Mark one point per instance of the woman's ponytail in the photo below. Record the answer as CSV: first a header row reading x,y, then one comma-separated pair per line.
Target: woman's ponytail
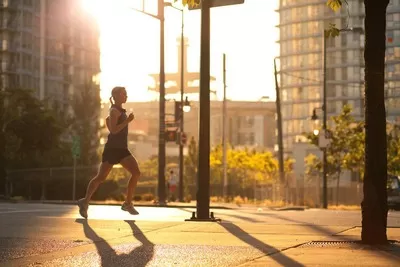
x,y
111,100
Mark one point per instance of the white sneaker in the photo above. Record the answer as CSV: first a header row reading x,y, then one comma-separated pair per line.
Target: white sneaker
x,y
83,208
129,208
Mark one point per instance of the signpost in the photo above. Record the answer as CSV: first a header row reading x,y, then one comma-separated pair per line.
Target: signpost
x,y
203,174
76,153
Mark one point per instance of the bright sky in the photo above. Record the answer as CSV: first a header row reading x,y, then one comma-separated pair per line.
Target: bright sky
x,y
129,43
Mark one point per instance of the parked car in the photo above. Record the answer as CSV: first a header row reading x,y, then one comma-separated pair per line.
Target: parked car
x,y
393,192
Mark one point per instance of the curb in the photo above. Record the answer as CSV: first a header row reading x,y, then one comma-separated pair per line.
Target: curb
x,y
137,204
297,208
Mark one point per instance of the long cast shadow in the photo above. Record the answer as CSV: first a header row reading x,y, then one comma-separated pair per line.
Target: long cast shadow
x,y
139,256
259,245
391,249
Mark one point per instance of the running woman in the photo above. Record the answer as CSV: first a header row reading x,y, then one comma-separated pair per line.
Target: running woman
x,y
115,151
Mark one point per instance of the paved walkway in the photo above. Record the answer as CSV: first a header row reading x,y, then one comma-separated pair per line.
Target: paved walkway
x,y
49,238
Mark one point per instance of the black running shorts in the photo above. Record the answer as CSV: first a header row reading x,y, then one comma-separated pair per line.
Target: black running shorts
x,y
115,155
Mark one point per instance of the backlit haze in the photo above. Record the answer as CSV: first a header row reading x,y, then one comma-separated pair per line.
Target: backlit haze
x,y
129,43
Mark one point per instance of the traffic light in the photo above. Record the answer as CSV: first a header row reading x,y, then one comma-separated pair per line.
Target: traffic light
x,y
170,136
178,111
182,139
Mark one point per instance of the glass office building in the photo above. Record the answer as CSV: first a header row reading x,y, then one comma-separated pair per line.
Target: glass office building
x,y
301,27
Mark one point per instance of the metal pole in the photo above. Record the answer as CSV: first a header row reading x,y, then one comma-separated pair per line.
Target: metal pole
x,y
182,116
42,63
161,136
279,125
224,115
74,180
325,162
203,189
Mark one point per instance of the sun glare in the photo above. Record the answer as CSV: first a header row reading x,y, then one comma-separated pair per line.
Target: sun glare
x,y
125,48
129,45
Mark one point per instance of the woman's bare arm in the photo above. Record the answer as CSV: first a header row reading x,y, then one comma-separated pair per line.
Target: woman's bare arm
x,y
112,121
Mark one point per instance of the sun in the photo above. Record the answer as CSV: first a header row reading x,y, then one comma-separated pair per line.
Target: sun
x,y
99,8
126,55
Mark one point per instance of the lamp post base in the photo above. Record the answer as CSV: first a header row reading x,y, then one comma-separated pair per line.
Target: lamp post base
x,y
210,219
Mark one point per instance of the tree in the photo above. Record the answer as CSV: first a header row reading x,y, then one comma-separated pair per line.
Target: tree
x,y
374,205
190,164
346,148
393,150
86,108
29,130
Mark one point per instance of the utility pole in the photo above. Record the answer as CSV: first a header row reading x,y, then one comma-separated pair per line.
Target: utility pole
x,y
224,120
42,64
161,136
279,126
280,135
180,189
325,161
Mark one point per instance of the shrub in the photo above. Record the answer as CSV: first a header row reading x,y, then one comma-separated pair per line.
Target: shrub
x,y
188,198
147,197
238,200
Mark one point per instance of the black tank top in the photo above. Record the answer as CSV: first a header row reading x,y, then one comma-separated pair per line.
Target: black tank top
x,y
120,139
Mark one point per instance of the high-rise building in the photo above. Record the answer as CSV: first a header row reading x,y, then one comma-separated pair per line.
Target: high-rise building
x,y
49,46
301,26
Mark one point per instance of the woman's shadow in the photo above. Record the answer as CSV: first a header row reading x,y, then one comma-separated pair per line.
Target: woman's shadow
x,y
139,256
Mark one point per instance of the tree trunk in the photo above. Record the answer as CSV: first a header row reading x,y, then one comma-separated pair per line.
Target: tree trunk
x,y
337,188
374,204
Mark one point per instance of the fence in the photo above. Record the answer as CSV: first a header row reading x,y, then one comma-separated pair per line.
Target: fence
x,y
307,190
57,184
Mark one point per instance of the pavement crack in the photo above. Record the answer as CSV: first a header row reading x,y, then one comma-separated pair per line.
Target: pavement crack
x,y
345,230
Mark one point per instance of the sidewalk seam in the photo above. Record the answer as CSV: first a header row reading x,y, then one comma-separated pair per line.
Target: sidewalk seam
x,y
291,247
273,253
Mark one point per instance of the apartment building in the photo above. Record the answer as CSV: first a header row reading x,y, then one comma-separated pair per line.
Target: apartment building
x,y
301,63
49,46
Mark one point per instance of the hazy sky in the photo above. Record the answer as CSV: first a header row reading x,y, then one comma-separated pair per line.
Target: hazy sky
x,y
129,44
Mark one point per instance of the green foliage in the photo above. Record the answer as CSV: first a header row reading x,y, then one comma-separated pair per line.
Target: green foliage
x,y
86,108
332,31
346,149
30,131
244,166
190,166
335,5
191,3
149,168
393,150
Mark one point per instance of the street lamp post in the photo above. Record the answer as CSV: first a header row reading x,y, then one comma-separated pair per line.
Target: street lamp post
x,y
182,85
161,133
182,117
203,173
161,136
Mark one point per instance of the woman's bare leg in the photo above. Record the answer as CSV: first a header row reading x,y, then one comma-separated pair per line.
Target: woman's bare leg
x,y
102,174
131,165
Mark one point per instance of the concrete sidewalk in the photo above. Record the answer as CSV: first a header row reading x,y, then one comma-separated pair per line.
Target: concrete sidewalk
x,y
192,204
144,243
